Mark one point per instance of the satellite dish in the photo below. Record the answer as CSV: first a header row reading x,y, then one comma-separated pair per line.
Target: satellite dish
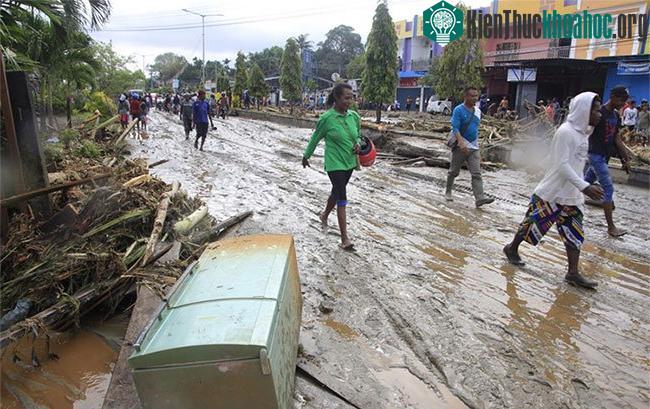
x,y
336,76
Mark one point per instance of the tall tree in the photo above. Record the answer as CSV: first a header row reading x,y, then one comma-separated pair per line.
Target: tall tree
x,y
303,43
168,66
259,88
291,73
379,80
268,59
341,45
241,75
460,66
355,68
63,17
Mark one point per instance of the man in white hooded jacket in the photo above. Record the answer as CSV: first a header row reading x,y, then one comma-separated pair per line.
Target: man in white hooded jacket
x,y
558,199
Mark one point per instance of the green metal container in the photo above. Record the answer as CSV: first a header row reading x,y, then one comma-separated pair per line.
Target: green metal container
x,y
227,336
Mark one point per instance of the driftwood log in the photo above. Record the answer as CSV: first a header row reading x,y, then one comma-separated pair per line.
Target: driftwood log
x,y
158,223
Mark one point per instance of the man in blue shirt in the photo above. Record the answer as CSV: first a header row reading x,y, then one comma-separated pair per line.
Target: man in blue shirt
x,y
464,123
200,111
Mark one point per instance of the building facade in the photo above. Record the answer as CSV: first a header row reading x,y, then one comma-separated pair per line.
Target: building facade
x,y
561,68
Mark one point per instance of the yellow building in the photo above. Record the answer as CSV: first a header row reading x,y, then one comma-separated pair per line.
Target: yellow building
x,y
589,49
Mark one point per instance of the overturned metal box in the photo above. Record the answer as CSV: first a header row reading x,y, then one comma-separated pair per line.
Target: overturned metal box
x,y
227,336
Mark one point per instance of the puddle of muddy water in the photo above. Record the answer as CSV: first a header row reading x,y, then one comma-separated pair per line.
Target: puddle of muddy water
x,y
78,379
342,329
417,394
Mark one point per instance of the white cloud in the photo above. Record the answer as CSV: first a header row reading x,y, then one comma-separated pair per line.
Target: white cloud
x,y
273,22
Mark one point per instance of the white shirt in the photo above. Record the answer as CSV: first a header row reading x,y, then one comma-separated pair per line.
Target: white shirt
x,y
629,116
563,183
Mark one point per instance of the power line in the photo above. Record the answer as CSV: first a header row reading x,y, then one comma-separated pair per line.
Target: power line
x,y
247,20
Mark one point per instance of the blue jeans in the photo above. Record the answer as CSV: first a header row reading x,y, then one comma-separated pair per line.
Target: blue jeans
x,y
597,169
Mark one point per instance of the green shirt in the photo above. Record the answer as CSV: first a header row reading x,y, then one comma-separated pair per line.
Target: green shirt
x,y
341,132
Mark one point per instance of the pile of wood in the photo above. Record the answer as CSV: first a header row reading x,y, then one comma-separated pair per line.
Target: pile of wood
x,y
112,219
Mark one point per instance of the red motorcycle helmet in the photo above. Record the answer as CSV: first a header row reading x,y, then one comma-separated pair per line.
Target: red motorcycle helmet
x,y
368,153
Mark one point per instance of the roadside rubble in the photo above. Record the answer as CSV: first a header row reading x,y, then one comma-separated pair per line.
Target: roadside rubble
x,y
102,238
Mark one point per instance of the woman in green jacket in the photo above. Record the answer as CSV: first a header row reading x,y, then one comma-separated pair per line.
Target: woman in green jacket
x,y
341,129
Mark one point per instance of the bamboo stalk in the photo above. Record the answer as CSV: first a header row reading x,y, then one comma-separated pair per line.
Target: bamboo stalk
x,y
187,224
158,223
50,189
126,131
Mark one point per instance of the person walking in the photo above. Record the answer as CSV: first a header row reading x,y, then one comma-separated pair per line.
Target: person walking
x,y
134,108
417,104
409,102
213,110
187,109
559,197
464,122
123,110
630,116
604,143
200,110
340,127
643,124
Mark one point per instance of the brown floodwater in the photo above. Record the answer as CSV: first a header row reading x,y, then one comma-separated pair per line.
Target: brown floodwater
x,y
429,286
77,379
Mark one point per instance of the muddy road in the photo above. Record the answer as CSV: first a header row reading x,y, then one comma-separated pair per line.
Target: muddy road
x,y
428,313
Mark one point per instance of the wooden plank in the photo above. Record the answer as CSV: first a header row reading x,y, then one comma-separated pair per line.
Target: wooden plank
x,y
47,190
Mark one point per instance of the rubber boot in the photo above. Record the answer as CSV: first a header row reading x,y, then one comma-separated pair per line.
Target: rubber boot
x,y
450,185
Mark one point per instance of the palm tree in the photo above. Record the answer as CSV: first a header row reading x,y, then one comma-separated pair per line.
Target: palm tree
x,y
303,43
64,16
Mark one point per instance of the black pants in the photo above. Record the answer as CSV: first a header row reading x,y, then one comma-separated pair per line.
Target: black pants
x,y
187,124
339,179
201,130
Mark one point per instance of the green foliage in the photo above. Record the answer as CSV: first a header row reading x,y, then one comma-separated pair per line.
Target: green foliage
x,y
460,65
429,80
101,102
68,136
259,88
23,23
223,83
112,76
355,68
53,152
241,74
168,66
303,43
268,60
334,54
89,149
380,73
311,85
291,72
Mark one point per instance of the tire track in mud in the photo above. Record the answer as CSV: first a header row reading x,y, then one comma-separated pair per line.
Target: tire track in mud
x,y
501,337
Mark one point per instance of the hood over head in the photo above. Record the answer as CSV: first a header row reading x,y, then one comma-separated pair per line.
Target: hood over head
x,y
580,111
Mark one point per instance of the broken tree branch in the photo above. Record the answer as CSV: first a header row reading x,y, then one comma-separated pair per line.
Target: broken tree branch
x,y
50,189
158,223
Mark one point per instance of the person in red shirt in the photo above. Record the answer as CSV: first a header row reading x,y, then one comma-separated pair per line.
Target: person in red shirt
x,y
550,112
135,110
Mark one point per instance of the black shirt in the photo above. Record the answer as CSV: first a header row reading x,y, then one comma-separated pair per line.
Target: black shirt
x,y
601,141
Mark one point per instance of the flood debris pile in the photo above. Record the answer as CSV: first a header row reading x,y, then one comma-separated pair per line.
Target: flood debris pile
x,y
102,238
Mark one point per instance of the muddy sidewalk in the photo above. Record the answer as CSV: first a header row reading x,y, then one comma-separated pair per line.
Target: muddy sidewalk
x,y
428,313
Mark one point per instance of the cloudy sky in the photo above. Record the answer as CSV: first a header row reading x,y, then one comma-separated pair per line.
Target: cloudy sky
x,y
247,25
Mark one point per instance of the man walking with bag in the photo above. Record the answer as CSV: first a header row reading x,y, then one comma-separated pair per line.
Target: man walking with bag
x,y
463,141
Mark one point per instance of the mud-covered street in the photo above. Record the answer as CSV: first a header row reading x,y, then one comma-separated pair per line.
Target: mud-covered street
x,y
428,313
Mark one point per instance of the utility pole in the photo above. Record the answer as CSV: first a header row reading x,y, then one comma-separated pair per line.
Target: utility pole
x,y
203,16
